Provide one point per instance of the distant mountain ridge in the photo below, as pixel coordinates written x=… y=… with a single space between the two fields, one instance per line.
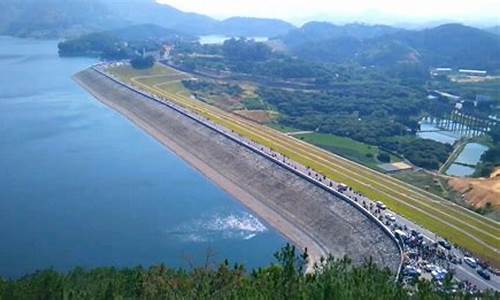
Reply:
x=55 y=18
x=245 y=26
x=148 y=11
x=62 y=18
x=317 y=31
x=452 y=45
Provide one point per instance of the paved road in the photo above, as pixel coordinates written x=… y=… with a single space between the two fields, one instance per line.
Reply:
x=463 y=271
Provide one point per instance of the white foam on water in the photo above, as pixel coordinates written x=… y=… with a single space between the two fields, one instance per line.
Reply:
x=232 y=226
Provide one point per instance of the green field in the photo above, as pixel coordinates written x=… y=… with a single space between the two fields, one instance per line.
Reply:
x=424 y=181
x=282 y=128
x=346 y=147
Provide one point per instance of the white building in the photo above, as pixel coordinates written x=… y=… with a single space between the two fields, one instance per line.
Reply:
x=473 y=72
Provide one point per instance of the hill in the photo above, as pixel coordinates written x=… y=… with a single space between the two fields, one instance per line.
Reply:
x=455 y=45
x=62 y=18
x=320 y=31
x=54 y=18
x=144 y=32
x=452 y=45
x=148 y=11
x=239 y=26
x=121 y=43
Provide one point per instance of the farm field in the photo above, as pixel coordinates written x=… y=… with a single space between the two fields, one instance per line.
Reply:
x=345 y=147
x=424 y=181
x=461 y=226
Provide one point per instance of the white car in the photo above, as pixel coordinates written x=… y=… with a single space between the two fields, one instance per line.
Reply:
x=470 y=261
x=390 y=217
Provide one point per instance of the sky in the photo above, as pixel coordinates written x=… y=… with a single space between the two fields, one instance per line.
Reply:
x=369 y=11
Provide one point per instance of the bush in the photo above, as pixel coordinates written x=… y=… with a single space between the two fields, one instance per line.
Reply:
x=384 y=157
x=335 y=279
x=142 y=62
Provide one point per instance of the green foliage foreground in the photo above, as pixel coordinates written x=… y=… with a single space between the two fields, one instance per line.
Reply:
x=336 y=279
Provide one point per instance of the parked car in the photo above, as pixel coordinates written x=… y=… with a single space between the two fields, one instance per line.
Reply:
x=470 y=261
x=483 y=273
x=381 y=205
x=445 y=244
x=390 y=217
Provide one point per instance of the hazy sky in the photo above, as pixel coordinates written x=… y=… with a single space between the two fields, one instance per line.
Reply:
x=389 y=11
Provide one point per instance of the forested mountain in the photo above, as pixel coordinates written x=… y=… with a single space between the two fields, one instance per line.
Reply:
x=121 y=43
x=147 y=32
x=63 y=18
x=455 y=45
x=54 y=18
x=148 y=11
x=452 y=45
x=239 y=26
x=320 y=31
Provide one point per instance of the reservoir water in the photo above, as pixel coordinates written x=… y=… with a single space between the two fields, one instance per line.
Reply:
x=432 y=132
x=467 y=160
x=220 y=39
x=81 y=186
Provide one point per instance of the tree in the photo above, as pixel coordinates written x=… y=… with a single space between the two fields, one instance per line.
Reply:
x=245 y=50
x=384 y=157
x=140 y=62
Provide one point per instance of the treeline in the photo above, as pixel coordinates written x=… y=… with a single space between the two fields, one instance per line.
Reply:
x=102 y=45
x=491 y=158
x=252 y=58
x=245 y=50
x=375 y=113
x=124 y=43
x=337 y=279
x=140 y=62
x=424 y=153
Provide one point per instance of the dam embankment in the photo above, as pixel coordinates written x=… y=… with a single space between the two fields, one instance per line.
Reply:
x=303 y=212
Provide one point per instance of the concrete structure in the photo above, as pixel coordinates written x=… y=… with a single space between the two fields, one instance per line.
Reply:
x=395 y=167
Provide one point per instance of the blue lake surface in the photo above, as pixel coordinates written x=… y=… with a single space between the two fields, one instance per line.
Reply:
x=470 y=155
x=81 y=186
x=220 y=39
x=431 y=132
x=460 y=170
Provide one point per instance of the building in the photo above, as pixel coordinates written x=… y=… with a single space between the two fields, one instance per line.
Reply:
x=441 y=71
x=472 y=72
x=395 y=167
